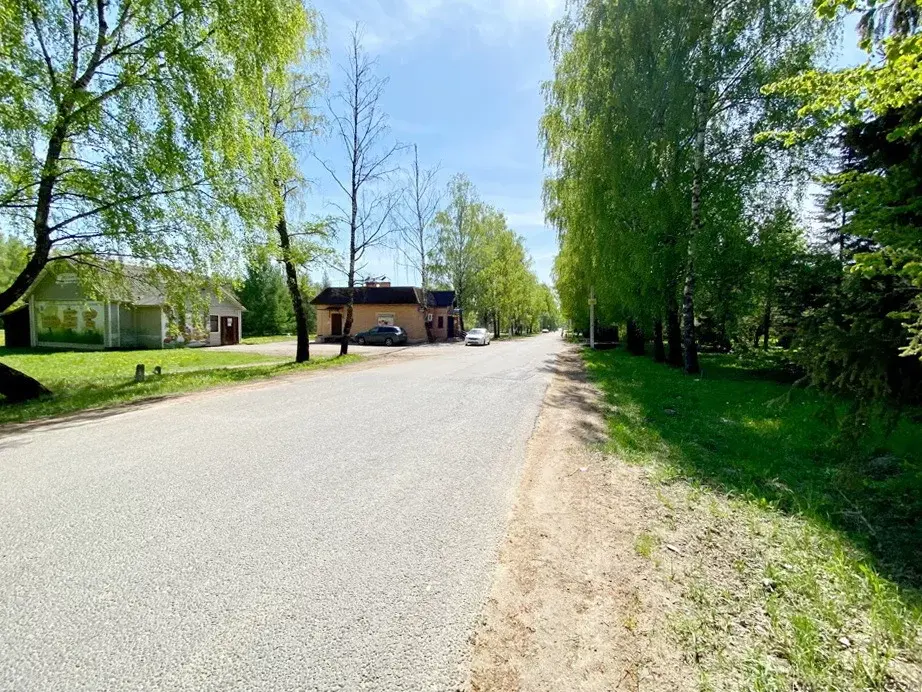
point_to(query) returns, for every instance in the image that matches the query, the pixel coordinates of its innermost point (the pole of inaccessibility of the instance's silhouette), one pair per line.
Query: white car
(477, 337)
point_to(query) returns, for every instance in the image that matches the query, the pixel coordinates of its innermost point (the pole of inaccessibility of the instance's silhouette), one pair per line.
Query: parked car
(387, 336)
(477, 337)
(545, 331)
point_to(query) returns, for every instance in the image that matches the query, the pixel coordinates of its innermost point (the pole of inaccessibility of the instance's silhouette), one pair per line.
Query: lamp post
(592, 318)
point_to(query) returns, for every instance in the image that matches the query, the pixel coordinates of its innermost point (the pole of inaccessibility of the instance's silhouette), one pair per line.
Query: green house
(136, 314)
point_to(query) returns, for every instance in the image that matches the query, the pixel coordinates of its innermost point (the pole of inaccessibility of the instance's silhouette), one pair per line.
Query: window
(212, 323)
(441, 322)
(385, 319)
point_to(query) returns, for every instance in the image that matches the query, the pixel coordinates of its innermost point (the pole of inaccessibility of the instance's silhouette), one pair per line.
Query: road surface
(333, 532)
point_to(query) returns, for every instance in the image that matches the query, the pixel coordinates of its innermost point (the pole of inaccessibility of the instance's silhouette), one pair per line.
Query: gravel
(336, 532)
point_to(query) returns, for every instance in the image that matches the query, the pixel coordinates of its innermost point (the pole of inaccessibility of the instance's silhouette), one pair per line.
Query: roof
(384, 295)
(442, 299)
(141, 286)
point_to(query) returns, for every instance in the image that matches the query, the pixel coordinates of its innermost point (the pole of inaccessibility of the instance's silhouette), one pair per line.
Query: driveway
(333, 532)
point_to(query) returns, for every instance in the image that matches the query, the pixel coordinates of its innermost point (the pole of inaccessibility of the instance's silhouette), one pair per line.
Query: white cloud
(518, 219)
(389, 23)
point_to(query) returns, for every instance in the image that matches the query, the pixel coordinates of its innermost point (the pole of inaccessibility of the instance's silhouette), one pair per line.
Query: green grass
(95, 379)
(834, 531)
(645, 544)
(255, 340)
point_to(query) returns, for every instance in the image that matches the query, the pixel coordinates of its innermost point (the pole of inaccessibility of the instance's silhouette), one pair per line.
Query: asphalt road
(335, 532)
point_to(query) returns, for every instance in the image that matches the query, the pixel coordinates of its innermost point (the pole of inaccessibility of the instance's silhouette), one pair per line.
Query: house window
(441, 322)
(212, 323)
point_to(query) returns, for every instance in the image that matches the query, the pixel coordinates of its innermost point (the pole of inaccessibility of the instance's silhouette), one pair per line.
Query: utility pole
(592, 317)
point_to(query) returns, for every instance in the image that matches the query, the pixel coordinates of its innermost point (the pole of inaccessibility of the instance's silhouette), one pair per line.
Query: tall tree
(288, 123)
(124, 124)
(414, 218)
(743, 46)
(360, 128)
(459, 240)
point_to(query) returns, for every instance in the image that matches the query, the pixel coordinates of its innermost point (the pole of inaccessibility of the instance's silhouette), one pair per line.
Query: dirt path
(575, 605)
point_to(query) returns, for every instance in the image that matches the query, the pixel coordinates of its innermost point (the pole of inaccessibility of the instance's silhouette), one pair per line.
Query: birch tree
(360, 128)
(459, 241)
(124, 123)
(414, 216)
(290, 122)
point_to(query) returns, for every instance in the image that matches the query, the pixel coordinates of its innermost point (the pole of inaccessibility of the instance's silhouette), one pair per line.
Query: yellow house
(378, 303)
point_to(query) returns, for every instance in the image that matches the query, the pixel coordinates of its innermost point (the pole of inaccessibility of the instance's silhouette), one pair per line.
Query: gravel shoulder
(574, 605)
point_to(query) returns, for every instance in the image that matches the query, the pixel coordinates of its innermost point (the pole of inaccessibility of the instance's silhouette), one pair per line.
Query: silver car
(477, 337)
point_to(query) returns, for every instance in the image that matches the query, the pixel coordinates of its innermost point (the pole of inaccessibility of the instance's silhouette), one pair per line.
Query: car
(545, 331)
(477, 337)
(382, 334)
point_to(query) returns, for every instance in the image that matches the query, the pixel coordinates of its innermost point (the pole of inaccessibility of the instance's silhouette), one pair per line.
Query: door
(451, 327)
(229, 330)
(336, 323)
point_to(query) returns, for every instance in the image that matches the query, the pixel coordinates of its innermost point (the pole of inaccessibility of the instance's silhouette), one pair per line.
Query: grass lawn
(93, 379)
(253, 340)
(817, 582)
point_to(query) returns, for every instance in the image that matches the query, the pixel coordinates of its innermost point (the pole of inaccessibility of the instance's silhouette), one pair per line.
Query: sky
(464, 86)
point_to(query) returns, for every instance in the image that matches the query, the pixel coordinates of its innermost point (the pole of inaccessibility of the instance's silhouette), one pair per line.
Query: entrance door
(336, 323)
(229, 330)
(451, 327)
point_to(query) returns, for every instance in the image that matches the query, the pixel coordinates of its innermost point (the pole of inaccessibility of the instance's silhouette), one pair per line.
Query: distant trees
(265, 296)
(14, 254)
(487, 265)
(460, 230)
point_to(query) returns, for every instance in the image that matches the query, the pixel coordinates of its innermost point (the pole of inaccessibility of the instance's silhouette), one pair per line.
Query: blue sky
(464, 86)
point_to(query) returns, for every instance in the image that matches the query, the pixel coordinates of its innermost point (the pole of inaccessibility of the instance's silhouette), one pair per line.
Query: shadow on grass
(93, 401)
(739, 433)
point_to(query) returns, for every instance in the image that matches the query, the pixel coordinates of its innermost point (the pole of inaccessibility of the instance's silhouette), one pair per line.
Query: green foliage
(853, 340)
(125, 132)
(487, 265)
(265, 296)
(634, 84)
(13, 255)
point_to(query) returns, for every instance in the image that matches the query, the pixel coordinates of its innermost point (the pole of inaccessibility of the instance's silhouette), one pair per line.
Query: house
(379, 303)
(132, 313)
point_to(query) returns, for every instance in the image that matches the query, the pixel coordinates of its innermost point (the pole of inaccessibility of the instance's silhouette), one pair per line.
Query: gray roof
(142, 286)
